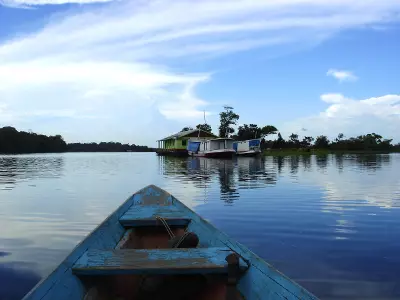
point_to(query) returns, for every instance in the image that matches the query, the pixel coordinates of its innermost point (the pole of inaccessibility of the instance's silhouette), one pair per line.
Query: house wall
(180, 143)
(169, 144)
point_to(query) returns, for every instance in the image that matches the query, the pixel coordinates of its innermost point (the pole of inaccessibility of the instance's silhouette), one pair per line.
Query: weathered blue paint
(260, 281)
(254, 143)
(140, 215)
(154, 261)
(179, 222)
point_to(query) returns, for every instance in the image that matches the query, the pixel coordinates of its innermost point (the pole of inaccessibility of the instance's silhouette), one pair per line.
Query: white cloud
(383, 107)
(119, 61)
(342, 75)
(353, 117)
(30, 3)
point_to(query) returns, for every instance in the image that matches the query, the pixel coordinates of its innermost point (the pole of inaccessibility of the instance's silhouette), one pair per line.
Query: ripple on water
(329, 222)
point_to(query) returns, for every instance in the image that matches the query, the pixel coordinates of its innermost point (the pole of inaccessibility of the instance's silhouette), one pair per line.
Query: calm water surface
(331, 223)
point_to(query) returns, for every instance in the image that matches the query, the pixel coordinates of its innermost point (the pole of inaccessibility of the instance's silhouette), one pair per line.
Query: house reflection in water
(229, 175)
(254, 172)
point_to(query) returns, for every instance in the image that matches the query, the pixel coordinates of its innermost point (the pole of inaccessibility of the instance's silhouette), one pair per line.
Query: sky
(137, 71)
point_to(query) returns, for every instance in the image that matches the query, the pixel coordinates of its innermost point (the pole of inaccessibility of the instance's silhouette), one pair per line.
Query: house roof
(185, 133)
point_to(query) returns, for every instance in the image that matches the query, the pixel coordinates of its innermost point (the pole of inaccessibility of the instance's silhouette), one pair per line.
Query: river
(331, 223)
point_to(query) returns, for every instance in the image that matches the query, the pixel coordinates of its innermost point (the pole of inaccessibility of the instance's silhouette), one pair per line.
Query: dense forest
(14, 141)
(107, 147)
(369, 142)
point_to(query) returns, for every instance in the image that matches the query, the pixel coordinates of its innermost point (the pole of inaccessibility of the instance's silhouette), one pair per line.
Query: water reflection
(279, 161)
(306, 162)
(255, 173)
(322, 161)
(16, 169)
(330, 222)
(195, 170)
(339, 162)
(371, 162)
(227, 180)
(202, 172)
(294, 162)
(16, 281)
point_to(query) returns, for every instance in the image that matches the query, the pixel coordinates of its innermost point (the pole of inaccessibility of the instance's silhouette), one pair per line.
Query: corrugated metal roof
(184, 133)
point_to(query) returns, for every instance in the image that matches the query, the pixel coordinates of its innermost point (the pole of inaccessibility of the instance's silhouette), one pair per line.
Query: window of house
(184, 142)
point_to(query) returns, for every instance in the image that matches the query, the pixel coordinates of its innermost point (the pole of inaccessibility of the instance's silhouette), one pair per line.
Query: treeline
(13, 141)
(371, 141)
(106, 147)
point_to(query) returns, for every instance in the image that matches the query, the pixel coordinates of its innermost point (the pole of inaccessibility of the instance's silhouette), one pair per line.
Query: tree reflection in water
(18, 168)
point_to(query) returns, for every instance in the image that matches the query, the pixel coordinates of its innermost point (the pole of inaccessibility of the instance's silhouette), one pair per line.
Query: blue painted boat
(154, 247)
(248, 147)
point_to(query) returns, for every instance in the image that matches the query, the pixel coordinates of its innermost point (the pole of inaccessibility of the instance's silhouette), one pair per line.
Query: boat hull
(249, 153)
(214, 154)
(132, 242)
(172, 152)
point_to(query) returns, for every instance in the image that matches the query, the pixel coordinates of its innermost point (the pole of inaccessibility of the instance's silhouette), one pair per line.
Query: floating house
(176, 144)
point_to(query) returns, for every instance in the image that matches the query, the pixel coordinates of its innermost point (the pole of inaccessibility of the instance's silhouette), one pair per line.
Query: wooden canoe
(132, 256)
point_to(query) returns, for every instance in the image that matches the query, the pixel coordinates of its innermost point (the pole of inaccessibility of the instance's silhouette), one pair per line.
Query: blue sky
(135, 71)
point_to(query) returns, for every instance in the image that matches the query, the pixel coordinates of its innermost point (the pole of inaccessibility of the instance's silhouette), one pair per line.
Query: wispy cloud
(342, 75)
(32, 3)
(120, 59)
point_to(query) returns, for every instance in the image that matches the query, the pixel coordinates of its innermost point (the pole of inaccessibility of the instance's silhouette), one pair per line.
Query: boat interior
(148, 285)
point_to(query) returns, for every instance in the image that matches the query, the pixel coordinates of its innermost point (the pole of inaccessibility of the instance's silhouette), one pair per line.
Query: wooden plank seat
(155, 261)
(138, 216)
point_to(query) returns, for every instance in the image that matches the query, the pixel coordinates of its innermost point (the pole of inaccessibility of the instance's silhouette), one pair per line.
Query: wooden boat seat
(138, 216)
(155, 261)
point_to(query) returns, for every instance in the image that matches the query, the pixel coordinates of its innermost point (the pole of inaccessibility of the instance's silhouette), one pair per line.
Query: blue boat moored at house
(248, 147)
(154, 247)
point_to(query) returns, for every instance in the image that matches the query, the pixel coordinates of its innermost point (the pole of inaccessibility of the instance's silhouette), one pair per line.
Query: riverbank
(291, 152)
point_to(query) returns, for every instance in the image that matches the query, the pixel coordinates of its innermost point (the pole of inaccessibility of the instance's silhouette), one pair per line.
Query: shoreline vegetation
(371, 143)
(295, 152)
(13, 141)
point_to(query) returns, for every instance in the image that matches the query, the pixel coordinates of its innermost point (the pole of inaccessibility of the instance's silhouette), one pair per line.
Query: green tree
(186, 128)
(204, 127)
(294, 139)
(227, 119)
(267, 130)
(14, 141)
(252, 131)
(248, 132)
(340, 137)
(280, 142)
(321, 142)
(307, 140)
